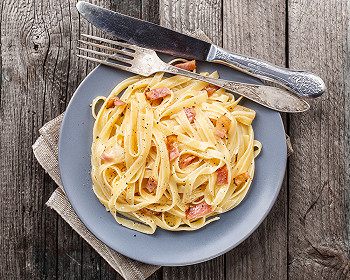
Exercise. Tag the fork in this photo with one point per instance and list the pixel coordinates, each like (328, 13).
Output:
(146, 62)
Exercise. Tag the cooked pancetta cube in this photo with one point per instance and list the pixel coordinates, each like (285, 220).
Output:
(211, 89)
(151, 184)
(198, 210)
(113, 102)
(222, 126)
(189, 65)
(190, 114)
(241, 178)
(222, 176)
(187, 161)
(157, 93)
(172, 146)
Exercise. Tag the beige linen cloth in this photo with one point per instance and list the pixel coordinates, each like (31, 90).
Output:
(46, 151)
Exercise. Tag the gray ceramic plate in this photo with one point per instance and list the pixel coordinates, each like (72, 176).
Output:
(164, 247)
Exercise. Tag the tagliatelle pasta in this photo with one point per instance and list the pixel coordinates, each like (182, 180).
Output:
(172, 152)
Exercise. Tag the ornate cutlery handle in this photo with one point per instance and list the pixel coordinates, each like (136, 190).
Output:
(271, 97)
(302, 83)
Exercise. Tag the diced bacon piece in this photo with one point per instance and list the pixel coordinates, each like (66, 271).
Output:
(119, 102)
(190, 114)
(189, 65)
(151, 184)
(114, 101)
(106, 156)
(172, 146)
(156, 93)
(187, 161)
(220, 132)
(198, 210)
(222, 126)
(222, 176)
(149, 212)
(112, 154)
(110, 102)
(241, 178)
(211, 89)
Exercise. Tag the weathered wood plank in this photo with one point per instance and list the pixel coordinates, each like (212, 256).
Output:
(64, 33)
(319, 186)
(211, 270)
(23, 188)
(257, 29)
(187, 16)
(130, 7)
(150, 10)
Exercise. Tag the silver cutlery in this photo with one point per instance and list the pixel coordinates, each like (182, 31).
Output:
(146, 62)
(161, 39)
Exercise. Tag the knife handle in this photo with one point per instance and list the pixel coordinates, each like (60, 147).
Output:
(275, 98)
(302, 83)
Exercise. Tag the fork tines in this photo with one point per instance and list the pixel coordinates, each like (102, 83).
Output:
(126, 52)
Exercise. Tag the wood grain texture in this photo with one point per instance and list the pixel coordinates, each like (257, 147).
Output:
(23, 225)
(258, 29)
(307, 233)
(319, 186)
(185, 16)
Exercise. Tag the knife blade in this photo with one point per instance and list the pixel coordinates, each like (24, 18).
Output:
(158, 38)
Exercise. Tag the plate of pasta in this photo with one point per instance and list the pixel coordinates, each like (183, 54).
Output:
(168, 170)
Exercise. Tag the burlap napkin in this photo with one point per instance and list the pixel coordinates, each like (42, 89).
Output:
(46, 151)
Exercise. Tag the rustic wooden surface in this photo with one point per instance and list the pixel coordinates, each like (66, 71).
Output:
(307, 233)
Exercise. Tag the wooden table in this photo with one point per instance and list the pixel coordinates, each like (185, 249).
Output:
(305, 236)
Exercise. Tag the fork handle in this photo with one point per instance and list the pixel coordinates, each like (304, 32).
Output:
(272, 97)
(302, 83)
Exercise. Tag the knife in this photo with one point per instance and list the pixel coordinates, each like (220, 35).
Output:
(161, 39)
